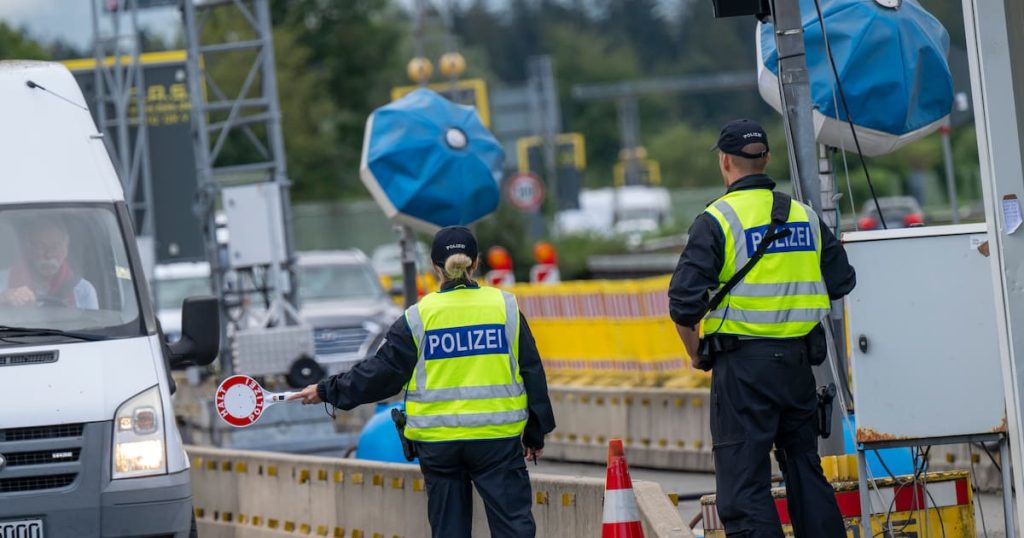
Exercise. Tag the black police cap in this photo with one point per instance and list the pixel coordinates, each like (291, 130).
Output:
(738, 134)
(452, 240)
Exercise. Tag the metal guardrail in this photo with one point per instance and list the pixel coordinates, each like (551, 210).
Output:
(263, 494)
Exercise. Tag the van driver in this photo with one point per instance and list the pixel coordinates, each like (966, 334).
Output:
(42, 276)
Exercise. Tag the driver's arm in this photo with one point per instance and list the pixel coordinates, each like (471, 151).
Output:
(85, 296)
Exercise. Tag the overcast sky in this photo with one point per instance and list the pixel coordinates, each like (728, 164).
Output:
(71, 20)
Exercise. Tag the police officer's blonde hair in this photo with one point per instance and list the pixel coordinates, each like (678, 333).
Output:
(458, 267)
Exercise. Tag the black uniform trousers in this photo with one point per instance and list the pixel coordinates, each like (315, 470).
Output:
(763, 394)
(498, 470)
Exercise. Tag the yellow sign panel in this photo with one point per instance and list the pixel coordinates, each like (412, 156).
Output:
(570, 151)
(148, 58)
(471, 91)
(166, 103)
(650, 172)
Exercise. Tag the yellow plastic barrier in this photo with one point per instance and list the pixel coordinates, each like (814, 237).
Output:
(607, 332)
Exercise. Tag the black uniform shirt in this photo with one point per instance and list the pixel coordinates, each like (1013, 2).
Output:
(387, 372)
(701, 262)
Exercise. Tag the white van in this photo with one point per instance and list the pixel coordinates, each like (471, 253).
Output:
(88, 442)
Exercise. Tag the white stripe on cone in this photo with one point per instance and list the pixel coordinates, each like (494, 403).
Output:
(620, 506)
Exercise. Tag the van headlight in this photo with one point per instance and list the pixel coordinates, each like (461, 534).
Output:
(139, 447)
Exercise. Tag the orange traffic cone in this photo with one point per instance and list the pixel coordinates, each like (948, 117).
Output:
(621, 515)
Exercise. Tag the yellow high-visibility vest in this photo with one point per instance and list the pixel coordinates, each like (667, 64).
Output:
(466, 384)
(783, 295)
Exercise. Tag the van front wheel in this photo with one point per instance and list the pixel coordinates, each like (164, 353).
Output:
(193, 533)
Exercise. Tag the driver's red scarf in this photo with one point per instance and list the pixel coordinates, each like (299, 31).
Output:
(62, 284)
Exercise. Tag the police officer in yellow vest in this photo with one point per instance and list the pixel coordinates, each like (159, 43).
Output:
(759, 341)
(477, 401)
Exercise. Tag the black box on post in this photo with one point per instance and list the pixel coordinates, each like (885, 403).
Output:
(736, 8)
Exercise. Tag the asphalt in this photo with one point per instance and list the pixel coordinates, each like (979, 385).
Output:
(688, 484)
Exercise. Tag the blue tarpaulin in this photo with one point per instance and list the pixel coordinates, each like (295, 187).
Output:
(892, 65)
(429, 162)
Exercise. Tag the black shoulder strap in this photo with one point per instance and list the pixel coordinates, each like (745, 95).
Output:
(780, 214)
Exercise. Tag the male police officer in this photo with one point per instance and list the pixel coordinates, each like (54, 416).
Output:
(755, 340)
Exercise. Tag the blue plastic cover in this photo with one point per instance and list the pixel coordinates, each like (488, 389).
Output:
(413, 164)
(892, 63)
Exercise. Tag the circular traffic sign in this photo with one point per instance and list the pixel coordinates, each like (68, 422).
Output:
(525, 191)
(239, 400)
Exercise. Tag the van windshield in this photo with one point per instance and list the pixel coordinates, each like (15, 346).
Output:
(66, 268)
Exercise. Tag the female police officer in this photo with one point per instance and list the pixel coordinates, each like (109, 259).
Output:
(476, 394)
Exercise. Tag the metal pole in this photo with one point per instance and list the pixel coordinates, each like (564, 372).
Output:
(407, 241)
(206, 194)
(995, 46)
(796, 97)
(282, 270)
(864, 493)
(947, 160)
(148, 224)
(629, 132)
(406, 238)
(1004, 467)
(823, 375)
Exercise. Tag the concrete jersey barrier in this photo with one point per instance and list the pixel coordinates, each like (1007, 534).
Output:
(264, 494)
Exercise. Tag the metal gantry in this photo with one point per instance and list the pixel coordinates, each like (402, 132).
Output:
(626, 94)
(120, 104)
(244, 115)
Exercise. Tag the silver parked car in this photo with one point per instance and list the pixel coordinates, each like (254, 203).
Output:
(339, 294)
(341, 297)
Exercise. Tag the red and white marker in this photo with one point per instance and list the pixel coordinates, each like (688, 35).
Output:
(621, 514)
(240, 400)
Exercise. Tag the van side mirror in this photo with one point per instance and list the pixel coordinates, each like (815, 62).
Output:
(200, 333)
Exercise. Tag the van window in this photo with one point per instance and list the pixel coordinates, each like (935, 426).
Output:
(66, 268)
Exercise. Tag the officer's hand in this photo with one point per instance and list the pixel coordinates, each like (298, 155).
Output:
(308, 395)
(532, 454)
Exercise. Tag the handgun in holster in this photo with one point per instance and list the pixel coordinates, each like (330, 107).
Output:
(825, 396)
(712, 345)
(408, 447)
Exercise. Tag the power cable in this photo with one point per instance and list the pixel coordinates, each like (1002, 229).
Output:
(846, 108)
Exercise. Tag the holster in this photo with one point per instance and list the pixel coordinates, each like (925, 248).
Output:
(825, 396)
(408, 447)
(712, 345)
(817, 345)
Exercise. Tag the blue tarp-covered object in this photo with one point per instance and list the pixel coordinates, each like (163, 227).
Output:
(891, 60)
(429, 162)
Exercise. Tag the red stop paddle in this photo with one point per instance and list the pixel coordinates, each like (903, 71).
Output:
(241, 400)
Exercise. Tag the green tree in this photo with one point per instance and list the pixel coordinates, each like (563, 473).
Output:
(15, 44)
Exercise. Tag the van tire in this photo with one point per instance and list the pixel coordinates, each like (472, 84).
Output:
(193, 532)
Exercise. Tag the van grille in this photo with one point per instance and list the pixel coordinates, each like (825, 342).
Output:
(41, 457)
(22, 359)
(41, 432)
(36, 483)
